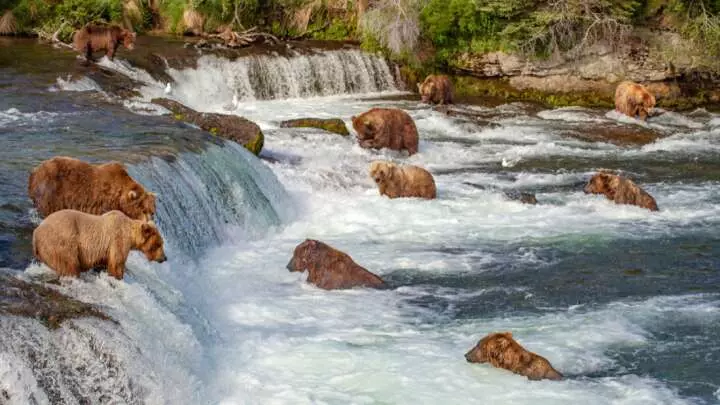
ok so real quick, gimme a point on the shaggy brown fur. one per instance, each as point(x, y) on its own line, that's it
point(386, 128)
point(620, 190)
point(633, 100)
point(66, 183)
point(436, 89)
point(402, 181)
point(330, 268)
point(94, 38)
point(502, 351)
point(71, 242)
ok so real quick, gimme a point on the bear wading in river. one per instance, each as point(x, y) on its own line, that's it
point(329, 268)
point(94, 38)
point(634, 100)
point(397, 181)
point(67, 183)
point(436, 89)
point(71, 242)
point(620, 190)
point(502, 351)
point(390, 128)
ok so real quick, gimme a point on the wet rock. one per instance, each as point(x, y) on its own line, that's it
point(334, 125)
point(36, 301)
point(113, 83)
point(523, 197)
point(621, 135)
point(230, 127)
point(476, 117)
point(329, 268)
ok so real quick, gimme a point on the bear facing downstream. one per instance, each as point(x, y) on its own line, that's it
point(67, 183)
point(94, 38)
point(633, 100)
point(390, 128)
point(402, 181)
point(436, 89)
point(71, 242)
point(502, 351)
point(620, 190)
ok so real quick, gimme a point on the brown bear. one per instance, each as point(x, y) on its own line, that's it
point(436, 89)
point(502, 351)
point(390, 128)
point(620, 190)
point(66, 183)
point(330, 268)
point(71, 242)
point(402, 181)
point(94, 38)
point(633, 100)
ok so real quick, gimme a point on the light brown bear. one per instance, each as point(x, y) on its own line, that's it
point(402, 181)
point(94, 38)
point(390, 128)
point(71, 242)
point(436, 89)
point(502, 351)
point(620, 190)
point(633, 100)
point(330, 268)
point(66, 183)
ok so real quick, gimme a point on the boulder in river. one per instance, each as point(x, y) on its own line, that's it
point(334, 125)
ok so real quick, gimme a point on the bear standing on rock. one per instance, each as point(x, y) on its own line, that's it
point(390, 128)
point(402, 181)
point(67, 183)
point(71, 242)
point(633, 100)
point(502, 351)
point(620, 190)
point(436, 89)
point(94, 38)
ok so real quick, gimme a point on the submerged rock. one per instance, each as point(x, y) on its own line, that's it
point(334, 125)
point(231, 127)
point(523, 197)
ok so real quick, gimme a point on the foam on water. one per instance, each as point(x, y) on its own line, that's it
point(81, 84)
point(13, 117)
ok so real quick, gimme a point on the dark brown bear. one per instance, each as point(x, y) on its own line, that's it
point(436, 89)
point(330, 268)
point(94, 38)
point(620, 190)
point(502, 351)
point(386, 128)
point(66, 183)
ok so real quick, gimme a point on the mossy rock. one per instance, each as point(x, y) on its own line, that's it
point(334, 125)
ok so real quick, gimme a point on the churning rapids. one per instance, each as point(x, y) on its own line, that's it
point(623, 301)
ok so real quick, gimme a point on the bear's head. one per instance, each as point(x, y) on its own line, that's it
point(128, 39)
point(646, 105)
point(382, 171)
point(138, 203)
point(364, 127)
point(602, 183)
point(305, 254)
point(489, 347)
point(427, 89)
point(150, 242)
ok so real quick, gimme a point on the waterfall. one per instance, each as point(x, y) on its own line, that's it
point(201, 196)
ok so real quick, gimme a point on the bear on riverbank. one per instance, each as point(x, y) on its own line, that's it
point(94, 38)
point(330, 268)
point(390, 128)
point(436, 89)
point(502, 351)
point(620, 190)
point(402, 181)
point(633, 100)
point(67, 183)
point(71, 242)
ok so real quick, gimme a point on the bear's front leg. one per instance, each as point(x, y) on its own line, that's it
point(116, 265)
point(111, 51)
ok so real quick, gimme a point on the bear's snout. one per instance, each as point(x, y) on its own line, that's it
point(162, 259)
point(291, 265)
point(468, 356)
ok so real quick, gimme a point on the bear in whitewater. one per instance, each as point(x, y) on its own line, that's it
point(397, 181)
point(620, 190)
point(390, 128)
point(634, 100)
point(436, 89)
point(502, 351)
point(67, 183)
point(329, 268)
point(94, 38)
point(71, 242)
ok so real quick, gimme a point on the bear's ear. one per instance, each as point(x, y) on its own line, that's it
point(419, 87)
point(369, 125)
point(353, 118)
point(146, 229)
point(132, 194)
point(508, 334)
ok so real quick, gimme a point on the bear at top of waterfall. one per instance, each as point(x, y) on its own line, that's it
point(390, 128)
point(93, 38)
point(436, 89)
point(402, 180)
point(329, 268)
point(71, 242)
point(502, 351)
point(67, 183)
point(620, 190)
point(633, 100)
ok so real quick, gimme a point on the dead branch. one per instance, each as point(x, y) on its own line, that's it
point(54, 37)
point(234, 39)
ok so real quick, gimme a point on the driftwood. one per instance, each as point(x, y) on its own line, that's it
point(54, 38)
point(234, 39)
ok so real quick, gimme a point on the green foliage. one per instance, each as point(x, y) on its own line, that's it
point(336, 31)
